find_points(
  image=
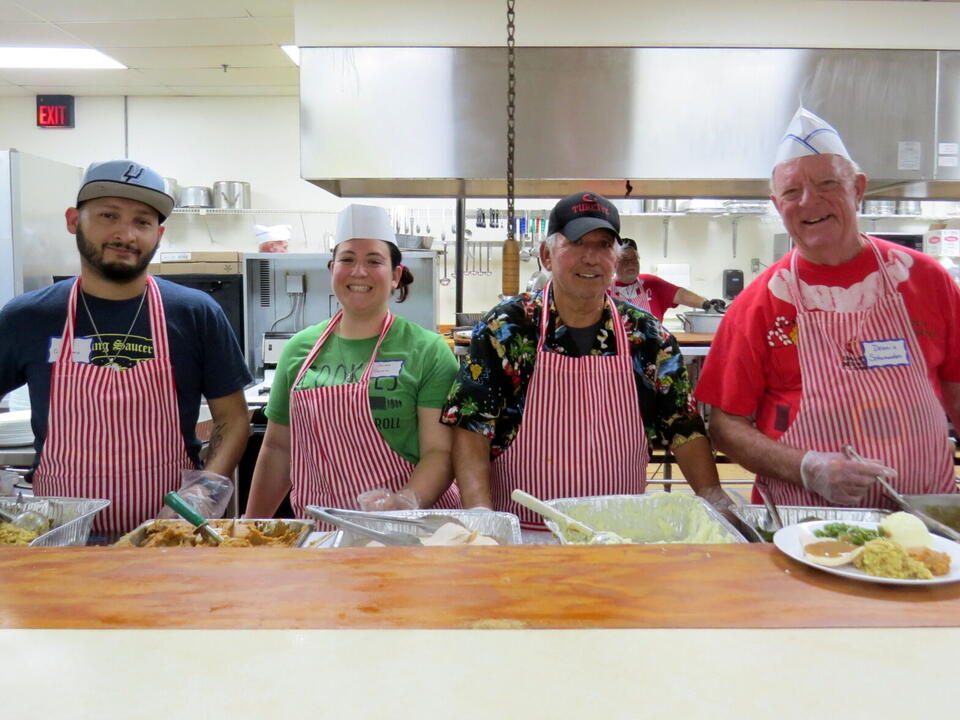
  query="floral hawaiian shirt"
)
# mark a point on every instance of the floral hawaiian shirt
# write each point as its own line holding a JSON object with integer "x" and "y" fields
{"x": 489, "y": 393}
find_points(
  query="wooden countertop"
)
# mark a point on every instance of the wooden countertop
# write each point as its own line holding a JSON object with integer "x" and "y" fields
{"x": 545, "y": 587}
{"x": 684, "y": 338}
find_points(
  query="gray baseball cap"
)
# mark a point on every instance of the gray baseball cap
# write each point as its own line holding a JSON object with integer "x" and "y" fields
{"x": 126, "y": 179}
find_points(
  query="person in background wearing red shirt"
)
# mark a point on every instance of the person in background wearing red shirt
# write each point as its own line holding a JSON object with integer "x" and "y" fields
{"x": 649, "y": 292}
{"x": 847, "y": 340}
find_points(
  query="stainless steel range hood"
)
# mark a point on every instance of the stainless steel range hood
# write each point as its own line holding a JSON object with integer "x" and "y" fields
{"x": 654, "y": 122}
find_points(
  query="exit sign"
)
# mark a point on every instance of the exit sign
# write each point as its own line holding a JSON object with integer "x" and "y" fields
{"x": 55, "y": 111}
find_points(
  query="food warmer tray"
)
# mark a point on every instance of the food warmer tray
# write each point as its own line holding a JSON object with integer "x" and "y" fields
{"x": 71, "y": 518}
{"x": 503, "y": 527}
{"x": 649, "y": 518}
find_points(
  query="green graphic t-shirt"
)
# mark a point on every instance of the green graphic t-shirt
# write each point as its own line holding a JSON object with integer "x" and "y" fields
{"x": 414, "y": 368}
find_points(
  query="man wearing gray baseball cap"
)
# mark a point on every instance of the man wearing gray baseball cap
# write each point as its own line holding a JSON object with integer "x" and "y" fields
{"x": 114, "y": 415}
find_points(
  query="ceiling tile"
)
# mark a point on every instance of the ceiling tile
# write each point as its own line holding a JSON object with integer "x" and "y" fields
{"x": 233, "y": 76}
{"x": 35, "y": 34}
{"x": 99, "y": 90}
{"x": 241, "y": 90}
{"x": 201, "y": 57}
{"x": 12, "y": 12}
{"x": 90, "y": 78}
{"x": 113, "y": 11}
{"x": 184, "y": 33}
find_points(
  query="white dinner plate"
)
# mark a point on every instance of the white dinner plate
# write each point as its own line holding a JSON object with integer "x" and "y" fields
{"x": 788, "y": 541}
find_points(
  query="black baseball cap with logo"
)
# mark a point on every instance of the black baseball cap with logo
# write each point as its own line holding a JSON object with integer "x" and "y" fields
{"x": 576, "y": 215}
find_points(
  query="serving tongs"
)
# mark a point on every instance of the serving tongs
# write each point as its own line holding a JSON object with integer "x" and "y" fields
{"x": 332, "y": 516}
{"x": 932, "y": 525}
{"x": 431, "y": 522}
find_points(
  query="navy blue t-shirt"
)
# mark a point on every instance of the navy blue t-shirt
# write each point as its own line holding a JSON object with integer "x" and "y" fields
{"x": 204, "y": 352}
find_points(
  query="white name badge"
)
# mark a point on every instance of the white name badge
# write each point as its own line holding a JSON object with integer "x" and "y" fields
{"x": 82, "y": 348}
{"x": 885, "y": 353}
{"x": 386, "y": 368}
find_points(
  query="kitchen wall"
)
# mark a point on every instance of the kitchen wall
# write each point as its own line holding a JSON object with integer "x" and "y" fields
{"x": 202, "y": 139}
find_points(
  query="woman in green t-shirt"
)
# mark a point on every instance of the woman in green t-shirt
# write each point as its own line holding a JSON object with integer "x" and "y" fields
{"x": 354, "y": 409}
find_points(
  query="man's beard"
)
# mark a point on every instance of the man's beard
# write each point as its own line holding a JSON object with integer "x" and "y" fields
{"x": 115, "y": 272}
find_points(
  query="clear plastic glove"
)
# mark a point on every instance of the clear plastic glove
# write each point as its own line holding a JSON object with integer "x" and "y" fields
{"x": 837, "y": 480}
{"x": 715, "y": 305}
{"x": 381, "y": 499}
{"x": 722, "y": 502}
{"x": 206, "y": 492}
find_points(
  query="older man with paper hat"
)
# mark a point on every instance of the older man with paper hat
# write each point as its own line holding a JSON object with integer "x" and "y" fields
{"x": 848, "y": 340}
{"x": 563, "y": 388}
{"x": 353, "y": 416}
{"x": 114, "y": 416}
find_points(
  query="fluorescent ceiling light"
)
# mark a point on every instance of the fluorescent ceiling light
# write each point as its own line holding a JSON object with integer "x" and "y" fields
{"x": 293, "y": 52}
{"x": 57, "y": 58}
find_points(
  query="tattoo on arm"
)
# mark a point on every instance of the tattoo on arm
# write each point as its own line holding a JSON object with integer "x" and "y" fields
{"x": 216, "y": 440}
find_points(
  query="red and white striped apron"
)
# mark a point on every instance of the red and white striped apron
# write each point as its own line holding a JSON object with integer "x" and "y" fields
{"x": 582, "y": 433}
{"x": 114, "y": 434}
{"x": 888, "y": 413}
{"x": 336, "y": 450}
{"x": 634, "y": 293}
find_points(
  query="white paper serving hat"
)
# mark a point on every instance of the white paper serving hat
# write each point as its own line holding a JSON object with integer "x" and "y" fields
{"x": 809, "y": 134}
{"x": 364, "y": 221}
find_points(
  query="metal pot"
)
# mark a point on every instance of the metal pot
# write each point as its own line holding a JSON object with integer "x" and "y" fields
{"x": 908, "y": 207}
{"x": 700, "y": 321}
{"x": 172, "y": 188}
{"x": 659, "y": 205}
{"x": 879, "y": 207}
{"x": 233, "y": 194}
{"x": 196, "y": 196}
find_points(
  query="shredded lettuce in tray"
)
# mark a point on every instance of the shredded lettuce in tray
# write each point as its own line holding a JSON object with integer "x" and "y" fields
{"x": 656, "y": 518}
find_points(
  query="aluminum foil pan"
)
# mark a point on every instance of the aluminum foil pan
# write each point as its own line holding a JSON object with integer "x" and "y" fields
{"x": 652, "y": 518}
{"x": 138, "y": 535}
{"x": 71, "y": 519}
{"x": 793, "y": 514}
{"x": 503, "y": 527}
{"x": 944, "y": 507}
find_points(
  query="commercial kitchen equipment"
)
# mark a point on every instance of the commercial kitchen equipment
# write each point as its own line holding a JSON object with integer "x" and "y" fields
{"x": 34, "y": 244}
{"x": 286, "y": 292}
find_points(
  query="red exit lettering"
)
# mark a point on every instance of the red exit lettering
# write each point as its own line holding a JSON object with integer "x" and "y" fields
{"x": 51, "y": 115}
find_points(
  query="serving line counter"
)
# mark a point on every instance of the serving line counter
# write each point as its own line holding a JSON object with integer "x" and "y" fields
{"x": 614, "y": 632}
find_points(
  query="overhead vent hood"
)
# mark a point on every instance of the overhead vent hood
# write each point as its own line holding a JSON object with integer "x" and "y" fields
{"x": 637, "y": 122}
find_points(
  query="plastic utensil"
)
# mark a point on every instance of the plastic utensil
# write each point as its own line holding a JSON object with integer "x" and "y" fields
{"x": 592, "y": 536}
{"x": 180, "y": 506}
{"x": 392, "y": 538}
{"x": 28, "y": 520}
{"x": 932, "y": 525}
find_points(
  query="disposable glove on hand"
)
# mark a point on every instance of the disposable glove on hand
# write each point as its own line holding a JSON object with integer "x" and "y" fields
{"x": 206, "y": 492}
{"x": 837, "y": 480}
{"x": 715, "y": 495}
{"x": 715, "y": 305}
{"x": 382, "y": 499}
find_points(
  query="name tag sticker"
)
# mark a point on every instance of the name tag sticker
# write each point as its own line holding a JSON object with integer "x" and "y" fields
{"x": 386, "y": 368}
{"x": 82, "y": 348}
{"x": 885, "y": 353}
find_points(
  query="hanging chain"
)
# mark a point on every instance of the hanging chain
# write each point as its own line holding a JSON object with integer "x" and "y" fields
{"x": 511, "y": 107}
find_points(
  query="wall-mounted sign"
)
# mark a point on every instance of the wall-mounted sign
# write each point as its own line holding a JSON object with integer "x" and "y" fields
{"x": 55, "y": 111}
